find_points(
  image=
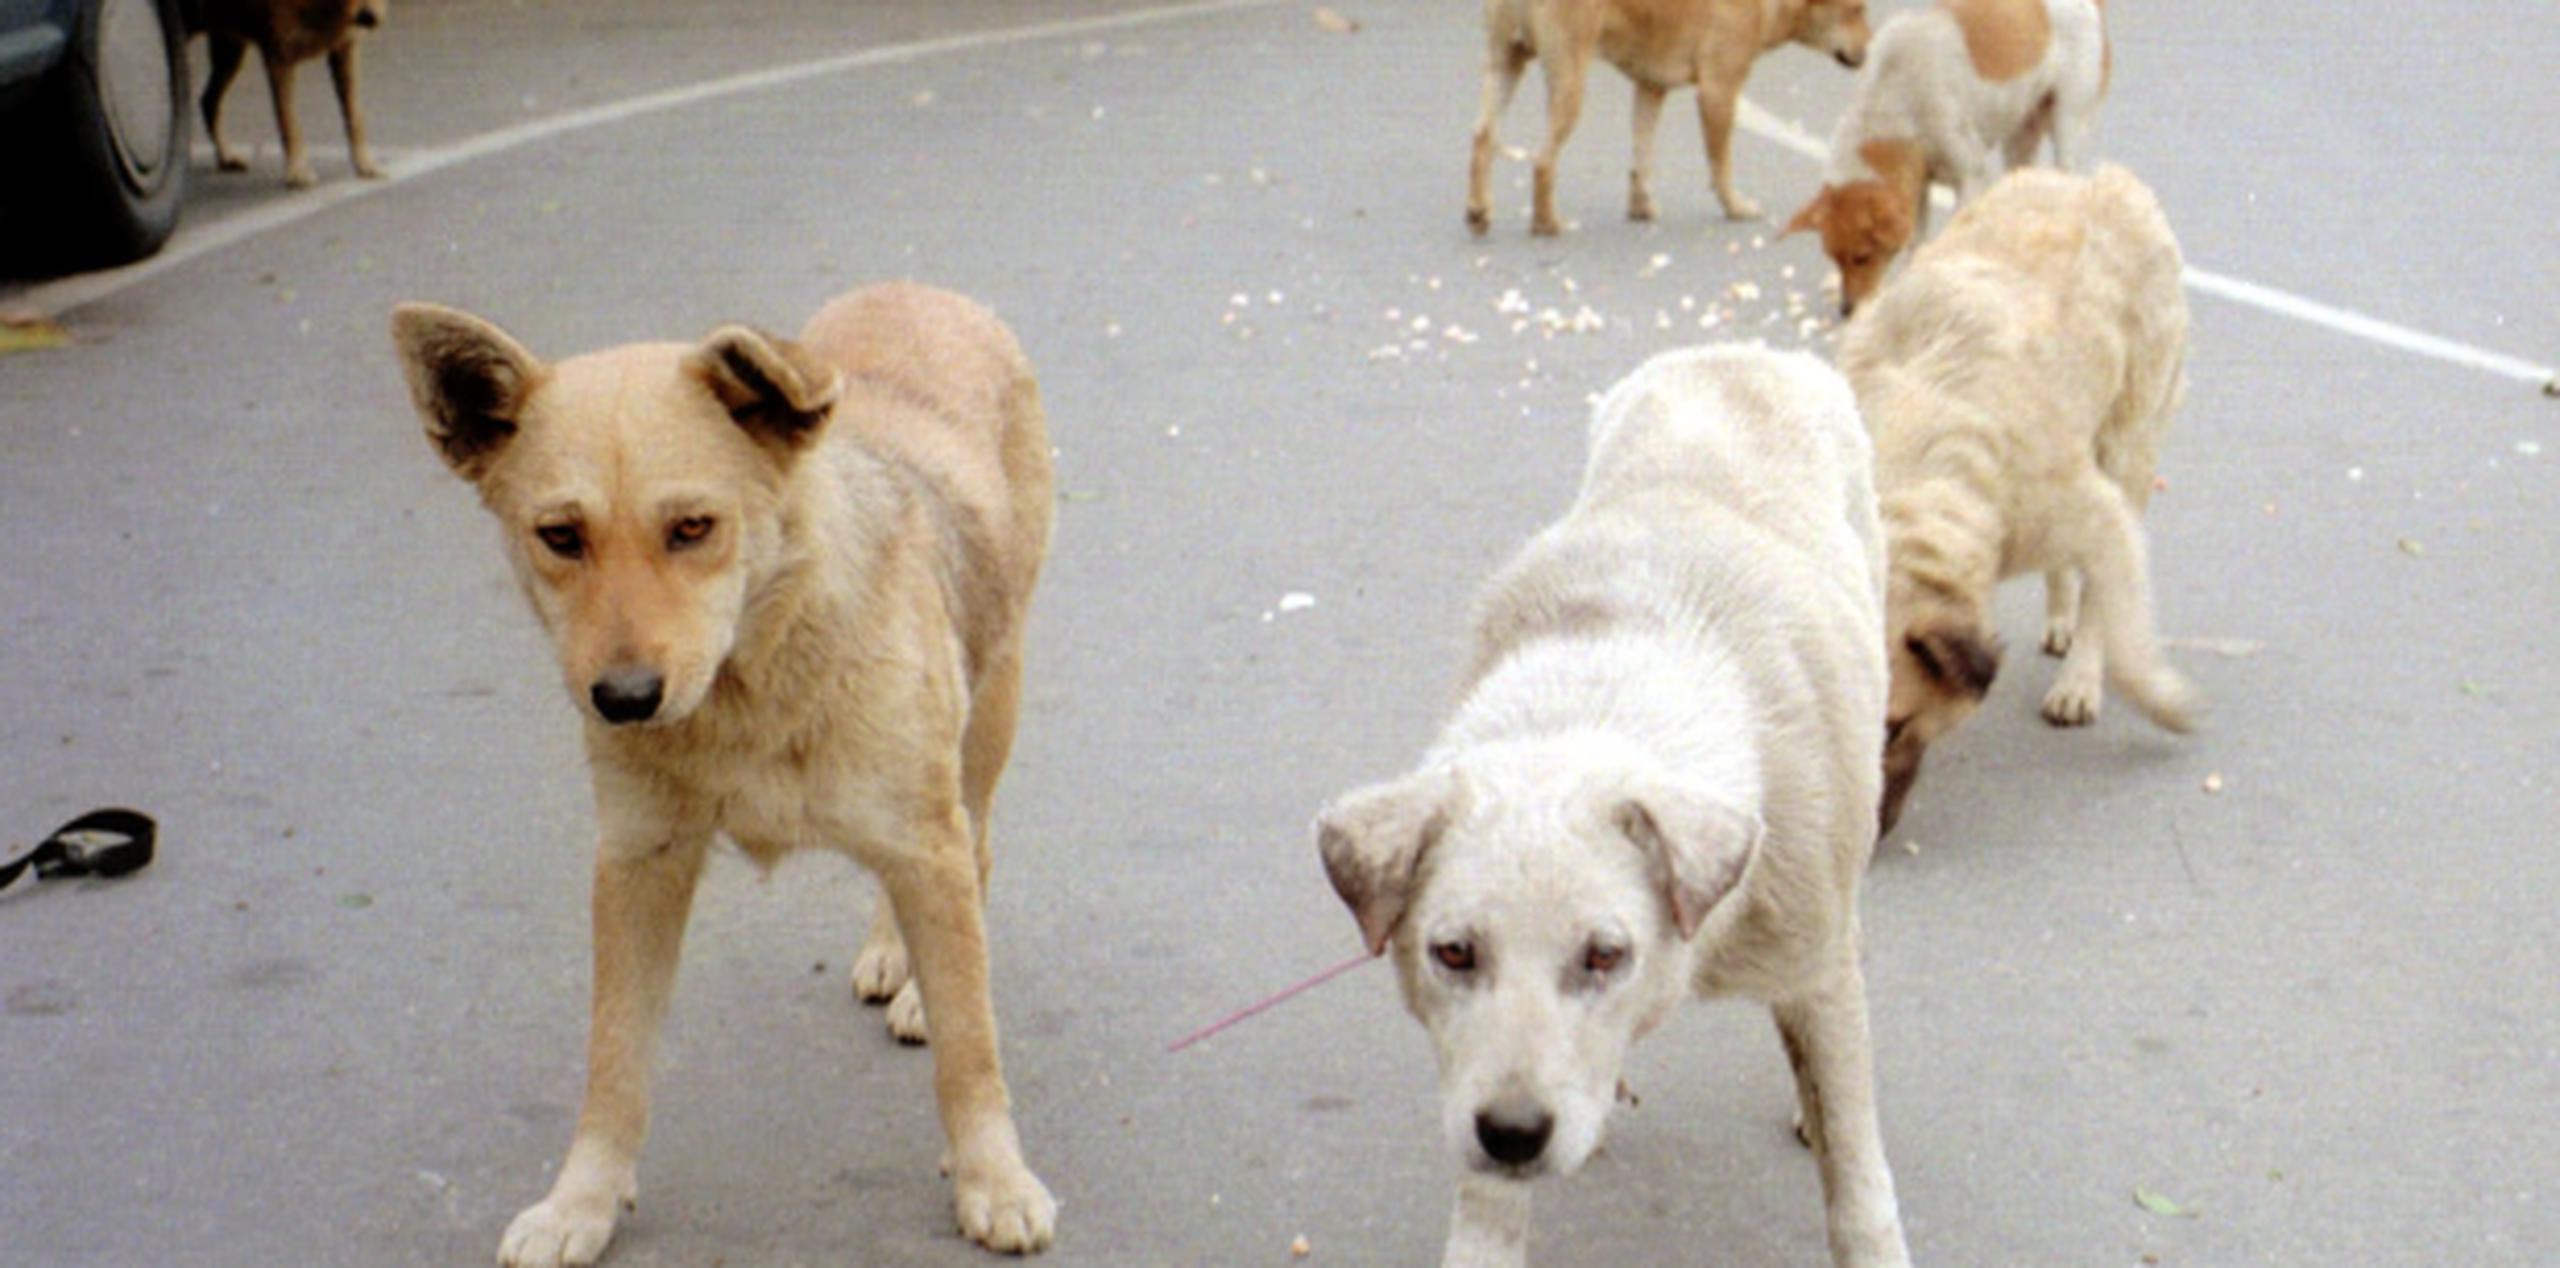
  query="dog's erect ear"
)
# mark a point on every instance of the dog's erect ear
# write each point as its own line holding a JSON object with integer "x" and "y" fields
{"x": 777, "y": 390}
{"x": 1957, "y": 657}
{"x": 1808, "y": 218}
{"x": 1699, "y": 844}
{"x": 1372, "y": 840}
{"x": 468, "y": 378}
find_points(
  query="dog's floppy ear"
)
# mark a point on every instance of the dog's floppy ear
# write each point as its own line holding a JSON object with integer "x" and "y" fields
{"x": 1372, "y": 840}
{"x": 469, "y": 381}
{"x": 780, "y": 392}
{"x": 1699, "y": 844}
{"x": 1957, "y": 657}
{"x": 1808, "y": 218}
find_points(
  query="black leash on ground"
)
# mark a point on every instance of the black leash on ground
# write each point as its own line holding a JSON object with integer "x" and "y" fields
{"x": 107, "y": 843}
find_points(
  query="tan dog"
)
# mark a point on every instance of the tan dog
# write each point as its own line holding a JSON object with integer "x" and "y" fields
{"x": 1660, "y": 785}
{"x": 2018, "y": 378}
{"x": 287, "y": 33}
{"x": 787, "y": 583}
{"x": 1946, "y": 85}
{"x": 1661, "y": 45}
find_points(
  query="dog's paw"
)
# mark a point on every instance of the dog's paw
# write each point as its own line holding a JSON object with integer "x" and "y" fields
{"x": 230, "y": 160}
{"x": 2057, "y": 637}
{"x": 879, "y": 971}
{"x": 300, "y": 176}
{"x": 366, "y": 168}
{"x": 2072, "y": 703}
{"x": 906, "y": 1016}
{"x": 1737, "y": 207}
{"x": 1479, "y": 221}
{"x": 554, "y": 1233}
{"x": 1007, "y": 1210}
{"x": 1640, "y": 207}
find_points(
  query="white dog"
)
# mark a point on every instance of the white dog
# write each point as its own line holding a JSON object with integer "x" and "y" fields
{"x": 1661, "y": 783}
{"x": 1945, "y": 90}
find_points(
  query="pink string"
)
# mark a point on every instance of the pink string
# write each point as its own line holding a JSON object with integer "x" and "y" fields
{"x": 1267, "y": 1005}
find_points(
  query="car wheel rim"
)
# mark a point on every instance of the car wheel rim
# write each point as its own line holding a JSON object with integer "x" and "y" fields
{"x": 133, "y": 85}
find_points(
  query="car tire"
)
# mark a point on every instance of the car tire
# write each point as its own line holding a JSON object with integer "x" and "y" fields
{"x": 107, "y": 139}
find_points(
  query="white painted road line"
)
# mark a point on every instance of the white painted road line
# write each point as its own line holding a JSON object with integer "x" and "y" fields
{"x": 56, "y": 298}
{"x": 2269, "y": 299}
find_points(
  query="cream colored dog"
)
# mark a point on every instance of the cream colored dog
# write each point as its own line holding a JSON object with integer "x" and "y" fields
{"x": 1949, "y": 87}
{"x": 2018, "y": 377}
{"x": 1661, "y": 784}
{"x": 1661, "y": 45}
{"x": 787, "y": 582}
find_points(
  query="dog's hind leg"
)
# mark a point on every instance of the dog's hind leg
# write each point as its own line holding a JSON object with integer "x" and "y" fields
{"x": 2115, "y": 617}
{"x": 1718, "y": 100}
{"x": 227, "y": 50}
{"x": 1648, "y": 114}
{"x": 342, "y": 72}
{"x": 932, "y": 880}
{"x": 643, "y": 893}
{"x": 1504, "y": 62}
{"x": 2061, "y": 608}
{"x": 1825, "y": 1033}
{"x": 1489, "y": 1226}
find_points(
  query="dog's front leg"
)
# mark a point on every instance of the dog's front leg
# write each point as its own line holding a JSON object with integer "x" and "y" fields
{"x": 2115, "y": 618}
{"x": 643, "y": 892}
{"x": 342, "y": 72}
{"x": 933, "y": 884}
{"x": 1489, "y": 1227}
{"x": 1648, "y": 113}
{"x": 1825, "y": 1032}
{"x": 297, "y": 167}
{"x": 1718, "y": 100}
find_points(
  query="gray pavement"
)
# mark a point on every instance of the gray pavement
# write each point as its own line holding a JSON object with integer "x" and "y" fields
{"x": 341, "y": 1020}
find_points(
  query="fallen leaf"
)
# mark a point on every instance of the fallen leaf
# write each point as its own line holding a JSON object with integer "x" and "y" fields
{"x": 2159, "y": 1205}
{"x": 1339, "y": 25}
{"x": 1079, "y": 495}
{"x": 29, "y": 332}
{"x": 2552, "y": 388}
{"x": 355, "y": 902}
{"x": 2472, "y": 688}
{"x": 2411, "y": 547}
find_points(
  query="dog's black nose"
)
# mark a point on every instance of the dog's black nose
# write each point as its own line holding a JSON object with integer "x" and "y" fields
{"x": 1514, "y": 1137}
{"x": 627, "y": 695}
{"x": 1849, "y": 59}
{"x": 368, "y": 19}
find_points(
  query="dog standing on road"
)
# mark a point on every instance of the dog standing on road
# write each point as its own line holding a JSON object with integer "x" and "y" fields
{"x": 1661, "y": 45}
{"x": 2018, "y": 377}
{"x": 287, "y": 33}
{"x": 787, "y": 581}
{"x": 1661, "y": 783}
{"x": 1947, "y": 88}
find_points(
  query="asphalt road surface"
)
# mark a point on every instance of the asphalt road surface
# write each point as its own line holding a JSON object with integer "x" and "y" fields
{"x": 340, "y": 1021}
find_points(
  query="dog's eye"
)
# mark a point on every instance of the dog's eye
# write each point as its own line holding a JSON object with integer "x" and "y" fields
{"x": 1603, "y": 960}
{"x": 1457, "y": 957}
{"x": 563, "y": 540}
{"x": 692, "y": 530}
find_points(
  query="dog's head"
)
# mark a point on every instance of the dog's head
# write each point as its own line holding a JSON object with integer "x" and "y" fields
{"x": 1943, "y": 656}
{"x": 1863, "y": 224}
{"x": 1837, "y": 27}
{"x": 641, "y": 490}
{"x": 1543, "y": 902}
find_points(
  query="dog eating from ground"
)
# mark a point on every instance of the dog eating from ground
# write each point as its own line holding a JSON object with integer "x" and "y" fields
{"x": 288, "y": 33}
{"x": 1661, "y": 783}
{"x": 2018, "y": 377}
{"x": 1946, "y": 88}
{"x": 786, "y": 580}
{"x": 1661, "y": 45}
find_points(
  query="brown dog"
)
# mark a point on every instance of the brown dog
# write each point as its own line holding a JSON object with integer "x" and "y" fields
{"x": 2018, "y": 377}
{"x": 287, "y": 33}
{"x": 787, "y": 582}
{"x": 1661, "y": 45}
